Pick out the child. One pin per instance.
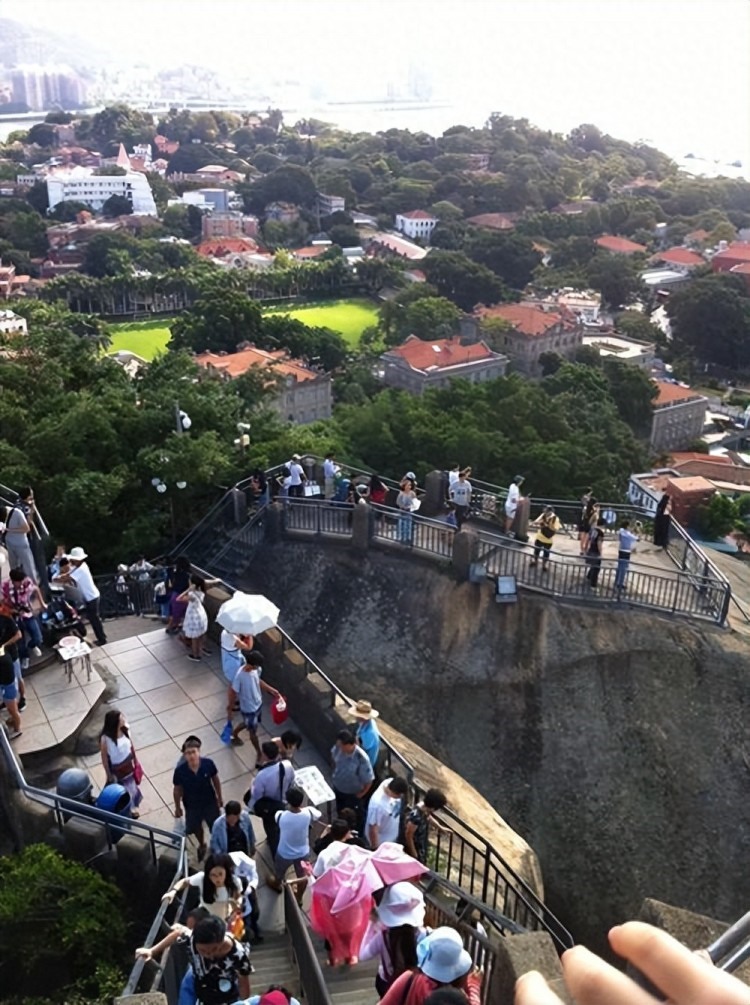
(294, 841)
(248, 687)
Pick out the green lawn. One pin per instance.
(145, 338)
(350, 317)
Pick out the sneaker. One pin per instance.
(25, 664)
(237, 741)
(194, 659)
(21, 704)
(35, 651)
(14, 734)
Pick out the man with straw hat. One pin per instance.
(368, 737)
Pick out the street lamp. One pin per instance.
(161, 487)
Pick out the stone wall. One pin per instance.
(613, 741)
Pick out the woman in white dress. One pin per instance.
(118, 756)
(195, 622)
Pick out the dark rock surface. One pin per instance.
(614, 742)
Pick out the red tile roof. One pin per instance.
(441, 353)
(682, 456)
(679, 256)
(493, 221)
(743, 268)
(222, 246)
(736, 250)
(528, 319)
(311, 251)
(697, 235)
(619, 245)
(671, 394)
(234, 364)
(417, 214)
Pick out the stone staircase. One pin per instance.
(274, 964)
(350, 985)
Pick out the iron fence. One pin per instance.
(695, 595)
(308, 964)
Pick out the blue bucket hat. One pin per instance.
(441, 956)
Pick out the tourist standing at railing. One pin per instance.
(594, 552)
(547, 526)
(18, 527)
(195, 622)
(119, 758)
(384, 811)
(330, 470)
(10, 635)
(221, 964)
(178, 580)
(626, 542)
(442, 962)
(662, 521)
(233, 648)
(393, 938)
(352, 775)
(418, 820)
(589, 513)
(297, 477)
(406, 503)
(511, 502)
(80, 576)
(21, 595)
(377, 490)
(459, 494)
(367, 734)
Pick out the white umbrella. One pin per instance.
(248, 614)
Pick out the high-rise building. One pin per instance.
(42, 87)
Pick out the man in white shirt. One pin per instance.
(511, 503)
(460, 495)
(330, 470)
(384, 811)
(80, 576)
(297, 478)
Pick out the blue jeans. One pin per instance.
(405, 527)
(187, 995)
(32, 630)
(622, 571)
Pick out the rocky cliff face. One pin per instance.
(614, 742)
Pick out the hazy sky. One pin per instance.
(676, 72)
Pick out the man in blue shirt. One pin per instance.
(626, 541)
(197, 788)
(368, 737)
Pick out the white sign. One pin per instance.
(314, 785)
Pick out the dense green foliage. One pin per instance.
(62, 930)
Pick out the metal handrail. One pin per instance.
(308, 964)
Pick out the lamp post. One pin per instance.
(161, 487)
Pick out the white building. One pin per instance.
(416, 223)
(330, 204)
(640, 354)
(12, 324)
(82, 185)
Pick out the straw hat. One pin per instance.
(363, 710)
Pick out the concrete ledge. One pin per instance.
(517, 955)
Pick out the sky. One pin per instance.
(673, 72)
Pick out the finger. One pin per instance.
(680, 974)
(593, 982)
(532, 989)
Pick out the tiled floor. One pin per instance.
(166, 697)
(55, 706)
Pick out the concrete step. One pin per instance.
(273, 963)
(355, 997)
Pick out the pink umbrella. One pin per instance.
(394, 865)
(341, 906)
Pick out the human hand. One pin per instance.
(682, 976)
(142, 953)
(169, 896)
(177, 812)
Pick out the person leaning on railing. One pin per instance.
(683, 977)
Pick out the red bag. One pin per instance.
(279, 711)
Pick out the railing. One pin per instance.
(308, 964)
(466, 915)
(687, 594)
(473, 866)
(464, 857)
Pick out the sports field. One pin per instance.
(144, 338)
(349, 317)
